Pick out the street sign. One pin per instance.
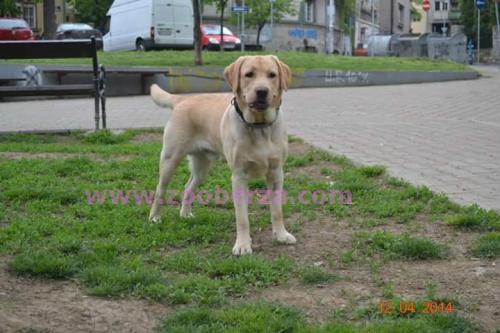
(240, 9)
(480, 4)
(426, 5)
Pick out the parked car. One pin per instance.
(149, 24)
(360, 51)
(78, 31)
(210, 38)
(15, 29)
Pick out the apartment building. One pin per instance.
(367, 21)
(395, 16)
(443, 14)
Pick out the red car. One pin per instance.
(15, 29)
(210, 38)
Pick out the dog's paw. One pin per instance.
(284, 237)
(242, 248)
(155, 219)
(186, 214)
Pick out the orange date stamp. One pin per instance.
(408, 307)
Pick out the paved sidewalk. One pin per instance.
(444, 135)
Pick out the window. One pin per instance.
(310, 11)
(441, 5)
(29, 15)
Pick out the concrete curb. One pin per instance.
(210, 79)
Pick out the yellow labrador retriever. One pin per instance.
(248, 129)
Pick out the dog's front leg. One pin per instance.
(243, 244)
(275, 185)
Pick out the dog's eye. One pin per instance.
(249, 74)
(272, 75)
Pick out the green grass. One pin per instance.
(315, 275)
(475, 218)
(296, 60)
(48, 230)
(487, 246)
(400, 246)
(372, 171)
(265, 317)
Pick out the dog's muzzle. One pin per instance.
(259, 106)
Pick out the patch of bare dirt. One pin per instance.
(473, 283)
(299, 147)
(469, 281)
(39, 305)
(312, 169)
(320, 243)
(148, 137)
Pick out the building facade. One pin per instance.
(395, 16)
(442, 15)
(308, 26)
(367, 22)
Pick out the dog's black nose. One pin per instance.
(262, 93)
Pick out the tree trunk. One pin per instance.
(222, 5)
(198, 60)
(259, 29)
(49, 19)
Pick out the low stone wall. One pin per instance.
(187, 80)
(210, 79)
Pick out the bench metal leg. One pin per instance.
(103, 111)
(96, 109)
(102, 93)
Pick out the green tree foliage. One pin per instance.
(92, 11)
(8, 8)
(261, 13)
(345, 9)
(469, 20)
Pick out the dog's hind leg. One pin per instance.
(199, 164)
(171, 156)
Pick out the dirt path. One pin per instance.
(38, 305)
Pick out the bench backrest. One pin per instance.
(48, 49)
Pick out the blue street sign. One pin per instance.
(480, 4)
(244, 9)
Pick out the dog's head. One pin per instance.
(258, 83)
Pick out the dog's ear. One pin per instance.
(285, 73)
(232, 74)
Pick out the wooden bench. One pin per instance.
(59, 49)
(7, 80)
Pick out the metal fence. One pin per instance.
(431, 45)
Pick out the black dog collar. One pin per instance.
(251, 125)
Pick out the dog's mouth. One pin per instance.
(259, 106)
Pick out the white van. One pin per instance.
(149, 24)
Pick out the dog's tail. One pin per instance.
(163, 98)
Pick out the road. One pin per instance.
(443, 135)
